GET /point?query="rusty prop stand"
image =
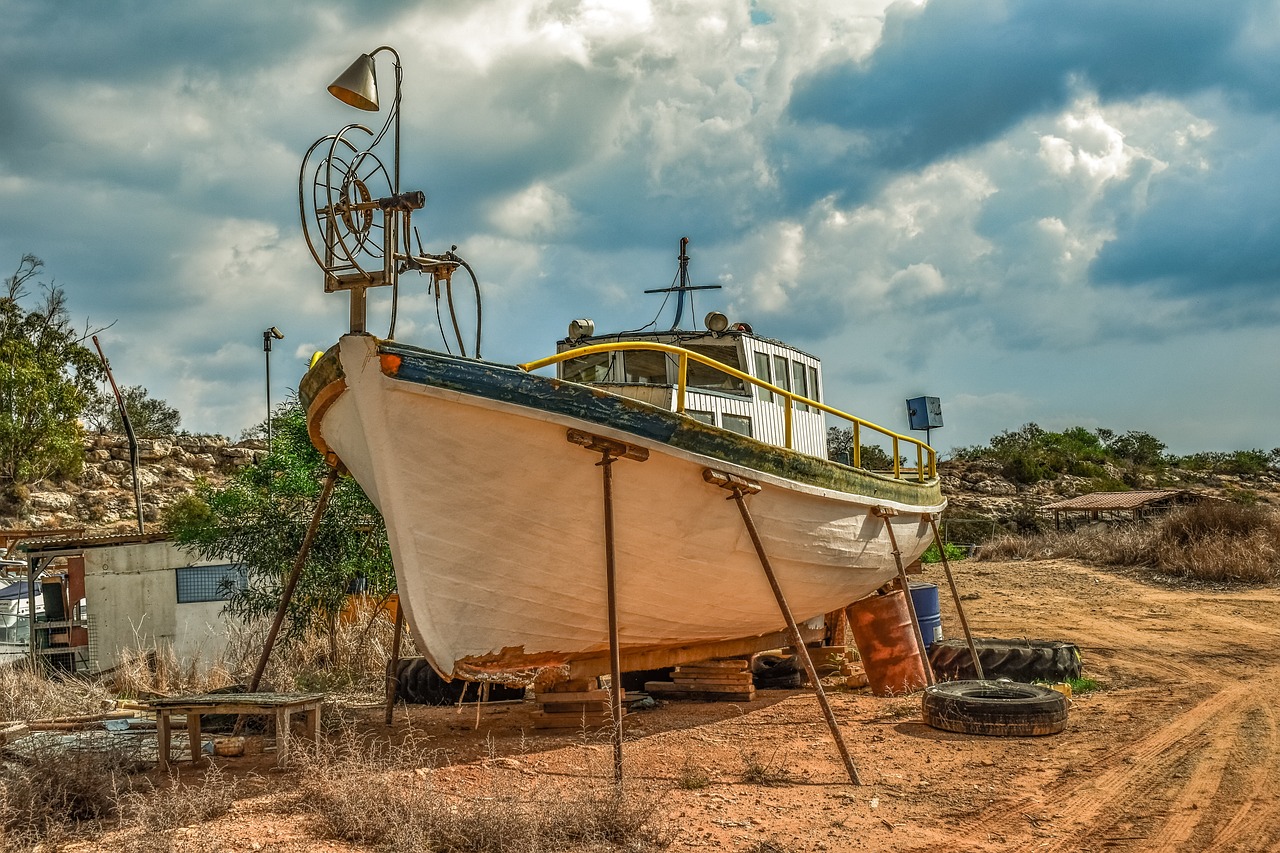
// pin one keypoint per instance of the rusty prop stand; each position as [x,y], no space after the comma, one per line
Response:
[393,675]
[886,513]
[609,452]
[326,492]
[740,487]
[955,595]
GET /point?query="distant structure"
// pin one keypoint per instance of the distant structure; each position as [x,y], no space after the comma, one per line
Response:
[1122,506]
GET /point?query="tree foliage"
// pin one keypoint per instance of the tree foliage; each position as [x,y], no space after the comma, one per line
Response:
[260,517]
[150,417]
[871,456]
[1031,453]
[47,376]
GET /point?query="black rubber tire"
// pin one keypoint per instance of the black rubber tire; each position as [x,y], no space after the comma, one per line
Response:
[419,684]
[777,672]
[1000,708]
[1026,661]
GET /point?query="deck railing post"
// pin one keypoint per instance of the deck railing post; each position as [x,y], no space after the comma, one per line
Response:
[681,380]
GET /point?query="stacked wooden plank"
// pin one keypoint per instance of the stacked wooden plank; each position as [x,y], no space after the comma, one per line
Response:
[708,680]
[574,704]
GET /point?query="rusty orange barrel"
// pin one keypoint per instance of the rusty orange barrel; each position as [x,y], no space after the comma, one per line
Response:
[882,631]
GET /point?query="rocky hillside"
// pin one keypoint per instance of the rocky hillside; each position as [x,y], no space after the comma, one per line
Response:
[102,499]
[978,489]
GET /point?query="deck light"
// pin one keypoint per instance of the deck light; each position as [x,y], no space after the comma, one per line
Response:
[358,86]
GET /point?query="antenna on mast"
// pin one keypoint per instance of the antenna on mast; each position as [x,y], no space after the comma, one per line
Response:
[684,286]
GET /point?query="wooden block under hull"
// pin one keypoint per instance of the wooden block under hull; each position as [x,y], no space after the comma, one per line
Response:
[705,693]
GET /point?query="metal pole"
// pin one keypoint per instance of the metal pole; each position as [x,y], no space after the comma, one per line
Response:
[739,487]
[33,568]
[301,560]
[393,674]
[955,594]
[266,349]
[128,431]
[885,514]
[615,655]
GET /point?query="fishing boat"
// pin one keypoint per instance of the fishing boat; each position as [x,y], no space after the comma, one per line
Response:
[509,552]
[492,500]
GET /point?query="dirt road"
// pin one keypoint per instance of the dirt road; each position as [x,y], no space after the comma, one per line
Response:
[1178,751]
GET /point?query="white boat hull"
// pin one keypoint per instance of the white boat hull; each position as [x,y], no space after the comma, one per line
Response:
[496,528]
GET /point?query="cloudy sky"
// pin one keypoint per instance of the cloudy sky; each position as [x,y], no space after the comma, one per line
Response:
[1060,212]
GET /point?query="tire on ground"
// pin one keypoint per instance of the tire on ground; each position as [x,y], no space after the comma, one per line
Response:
[1018,660]
[1000,708]
[773,672]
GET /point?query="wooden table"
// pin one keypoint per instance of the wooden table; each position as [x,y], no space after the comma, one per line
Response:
[280,705]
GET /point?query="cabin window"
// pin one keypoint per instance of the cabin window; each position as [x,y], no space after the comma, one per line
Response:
[762,372]
[741,424]
[587,368]
[798,383]
[646,367]
[708,418]
[703,376]
[780,376]
[814,393]
[209,583]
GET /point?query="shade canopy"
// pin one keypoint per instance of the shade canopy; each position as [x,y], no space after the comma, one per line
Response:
[358,85]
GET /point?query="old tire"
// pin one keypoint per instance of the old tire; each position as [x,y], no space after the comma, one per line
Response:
[777,672]
[1000,708]
[1026,661]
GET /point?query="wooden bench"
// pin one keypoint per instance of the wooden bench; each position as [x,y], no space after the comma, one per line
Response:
[282,706]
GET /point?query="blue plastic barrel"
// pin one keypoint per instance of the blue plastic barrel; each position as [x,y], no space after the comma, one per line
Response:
[925,598]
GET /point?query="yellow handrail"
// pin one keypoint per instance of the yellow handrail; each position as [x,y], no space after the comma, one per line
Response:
[790,399]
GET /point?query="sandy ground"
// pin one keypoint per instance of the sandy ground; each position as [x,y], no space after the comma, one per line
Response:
[1177,751]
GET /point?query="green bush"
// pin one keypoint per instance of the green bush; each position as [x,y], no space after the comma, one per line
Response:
[953,551]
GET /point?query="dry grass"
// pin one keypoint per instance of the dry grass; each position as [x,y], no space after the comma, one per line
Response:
[27,694]
[361,650]
[1212,542]
[759,770]
[50,794]
[365,795]
[181,804]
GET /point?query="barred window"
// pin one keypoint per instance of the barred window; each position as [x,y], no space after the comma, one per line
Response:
[209,583]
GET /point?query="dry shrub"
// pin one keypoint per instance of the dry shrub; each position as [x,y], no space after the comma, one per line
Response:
[152,672]
[1220,542]
[181,804]
[27,694]
[44,795]
[1123,545]
[366,796]
[1212,542]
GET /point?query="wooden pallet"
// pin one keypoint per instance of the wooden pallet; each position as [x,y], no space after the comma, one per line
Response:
[574,705]
[708,681]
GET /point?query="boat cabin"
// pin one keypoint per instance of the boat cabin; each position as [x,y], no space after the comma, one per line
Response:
[712,396]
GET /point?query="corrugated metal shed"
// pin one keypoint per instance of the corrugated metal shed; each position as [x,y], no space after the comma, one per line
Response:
[1137,505]
[1117,500]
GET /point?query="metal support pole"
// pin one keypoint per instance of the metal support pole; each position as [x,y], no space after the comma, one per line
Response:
[955,595]
[739,487]
[393,675]
[615,655]
[885,513]
[33,569]
[286,596]
[610,451]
